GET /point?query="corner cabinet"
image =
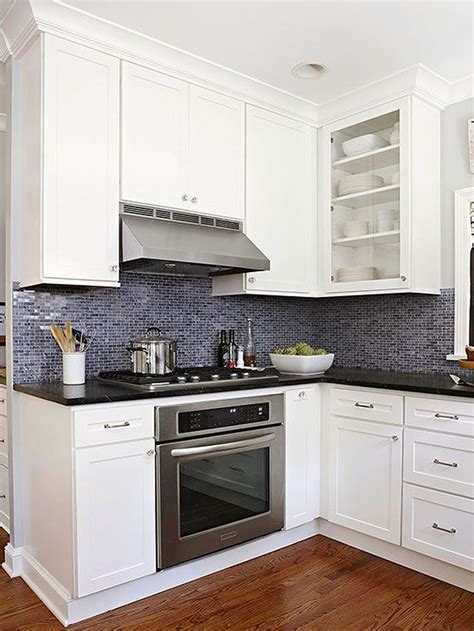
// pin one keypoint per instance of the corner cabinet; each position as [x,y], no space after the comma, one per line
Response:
[380,201]
[280,205]
[68,164]
[182,145]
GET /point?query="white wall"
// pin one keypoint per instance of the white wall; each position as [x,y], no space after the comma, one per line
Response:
[454,175]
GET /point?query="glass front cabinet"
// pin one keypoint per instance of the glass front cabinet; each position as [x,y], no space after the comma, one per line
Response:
[380,201]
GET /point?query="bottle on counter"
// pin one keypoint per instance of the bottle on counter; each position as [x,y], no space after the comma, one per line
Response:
[232,358]
[250,353]
[240,356]
[223,349]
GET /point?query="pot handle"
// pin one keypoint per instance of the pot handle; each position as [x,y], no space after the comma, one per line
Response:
[152,329]
[131,349]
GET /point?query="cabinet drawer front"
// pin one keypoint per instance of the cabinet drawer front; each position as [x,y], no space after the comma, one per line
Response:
[439,461]
[96,427]
[455,417]
[3,440]
[3,491]
[3,401]
[439,525]
[364,404]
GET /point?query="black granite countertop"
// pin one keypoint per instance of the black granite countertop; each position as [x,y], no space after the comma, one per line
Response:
[94,391]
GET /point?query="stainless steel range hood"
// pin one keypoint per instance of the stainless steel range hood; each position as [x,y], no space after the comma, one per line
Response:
[175,243]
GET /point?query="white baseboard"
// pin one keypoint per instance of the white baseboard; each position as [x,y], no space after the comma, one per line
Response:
[13,561]
[45,586]
[408,558]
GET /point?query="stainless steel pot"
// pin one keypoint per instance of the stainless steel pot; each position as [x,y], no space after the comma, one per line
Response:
[153,354]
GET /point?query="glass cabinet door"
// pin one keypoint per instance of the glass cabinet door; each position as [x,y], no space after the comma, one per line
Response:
[365,204]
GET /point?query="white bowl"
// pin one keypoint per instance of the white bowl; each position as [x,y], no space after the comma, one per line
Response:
[355,228]
[364,143]
[302,364]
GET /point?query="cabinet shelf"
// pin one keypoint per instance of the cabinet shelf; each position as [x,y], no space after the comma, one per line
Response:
[369,161]
[375,238]
[370,197]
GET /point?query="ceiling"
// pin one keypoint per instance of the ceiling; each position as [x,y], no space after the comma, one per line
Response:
[360,42]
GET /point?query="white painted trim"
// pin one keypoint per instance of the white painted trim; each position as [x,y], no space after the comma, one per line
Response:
[462,89]
[5,522]
[13,561]
[45,587]
[402,556]
[3,122]
[462,248]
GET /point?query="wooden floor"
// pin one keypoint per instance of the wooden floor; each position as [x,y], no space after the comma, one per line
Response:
[317,584]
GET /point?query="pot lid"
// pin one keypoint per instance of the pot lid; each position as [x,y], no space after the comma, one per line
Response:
[153,334]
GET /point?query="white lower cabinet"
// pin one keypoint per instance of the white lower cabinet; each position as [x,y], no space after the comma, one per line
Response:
[439,525]
[302,448]
[115,508]
[365,477]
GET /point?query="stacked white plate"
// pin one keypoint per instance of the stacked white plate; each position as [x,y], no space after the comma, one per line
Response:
[355,228]
[356,273]
[361,144]
[358,183]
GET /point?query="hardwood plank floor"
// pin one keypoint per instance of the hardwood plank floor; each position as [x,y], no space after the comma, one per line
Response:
[317,584]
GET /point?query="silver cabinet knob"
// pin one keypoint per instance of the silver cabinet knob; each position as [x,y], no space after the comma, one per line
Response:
[403,278]
[302,394]
[150,453]
[114,268]
[394,438]
[252,279]
[2,440]
[194,200]
[184,198]
[3,496]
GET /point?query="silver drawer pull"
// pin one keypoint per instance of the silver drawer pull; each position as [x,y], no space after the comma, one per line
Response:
[369,406]
[2,440]
[451,531]
[2,400]
[446,464]
[394,438]
[109,426]
[3,496]
[449,417]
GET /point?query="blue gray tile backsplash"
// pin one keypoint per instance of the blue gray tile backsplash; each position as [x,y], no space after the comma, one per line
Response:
[392,332]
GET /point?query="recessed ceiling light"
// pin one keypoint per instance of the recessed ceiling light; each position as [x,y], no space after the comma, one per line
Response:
[309,71]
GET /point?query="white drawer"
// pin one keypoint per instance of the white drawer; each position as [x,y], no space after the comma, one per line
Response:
[439,461]
[368,405]
[113,425]
[4,509]
[439,525]
[3,440]
[455,417]
[3,400]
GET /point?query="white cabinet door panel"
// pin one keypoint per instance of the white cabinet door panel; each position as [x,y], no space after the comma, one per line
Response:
[216,153]
[280,217]
[154,137]
[365,477]
[80,162]
[115,504]
[302,454]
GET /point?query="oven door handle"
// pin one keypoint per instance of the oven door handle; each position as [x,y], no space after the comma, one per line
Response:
[218,450]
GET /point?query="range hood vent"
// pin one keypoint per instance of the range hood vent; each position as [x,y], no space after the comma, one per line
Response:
[181,216]
[178,243]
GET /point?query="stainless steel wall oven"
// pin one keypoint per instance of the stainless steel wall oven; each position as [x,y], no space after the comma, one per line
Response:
[220,475]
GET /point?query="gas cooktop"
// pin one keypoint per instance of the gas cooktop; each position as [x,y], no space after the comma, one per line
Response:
[202,377]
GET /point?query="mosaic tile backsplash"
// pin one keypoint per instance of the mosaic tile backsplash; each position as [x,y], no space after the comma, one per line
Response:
[393,332]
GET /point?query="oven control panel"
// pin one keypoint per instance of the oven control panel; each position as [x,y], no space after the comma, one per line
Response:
[217,418]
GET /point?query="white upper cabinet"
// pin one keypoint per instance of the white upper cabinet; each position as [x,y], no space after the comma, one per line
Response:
[280,207]
[154,137]
[182,146]
[380,201]
[216,153]
[69,144]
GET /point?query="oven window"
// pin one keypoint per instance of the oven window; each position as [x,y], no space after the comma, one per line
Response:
[219,490]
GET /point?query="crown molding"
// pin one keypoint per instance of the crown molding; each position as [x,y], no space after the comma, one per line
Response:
[462,90]
[26,18]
